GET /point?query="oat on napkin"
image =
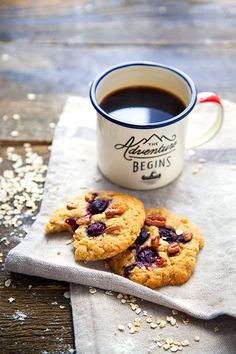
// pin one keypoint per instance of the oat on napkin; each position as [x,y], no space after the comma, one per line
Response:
[104,324]
[206,197]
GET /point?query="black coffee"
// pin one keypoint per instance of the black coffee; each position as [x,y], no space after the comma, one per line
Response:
[142,105]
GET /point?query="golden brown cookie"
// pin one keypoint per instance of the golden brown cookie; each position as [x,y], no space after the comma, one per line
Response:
[104,223]
[164,252]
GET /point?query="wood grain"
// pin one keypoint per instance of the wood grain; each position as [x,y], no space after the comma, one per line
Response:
[55,78]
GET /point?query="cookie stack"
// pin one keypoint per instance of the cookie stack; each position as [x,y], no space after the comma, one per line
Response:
[153,247]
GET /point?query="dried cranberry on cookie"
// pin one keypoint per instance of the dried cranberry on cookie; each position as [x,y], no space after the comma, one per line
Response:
[164,253]
[103,223]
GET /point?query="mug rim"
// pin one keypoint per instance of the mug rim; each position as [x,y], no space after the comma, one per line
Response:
[183,114]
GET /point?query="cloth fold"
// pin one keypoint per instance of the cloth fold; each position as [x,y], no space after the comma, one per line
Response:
[206,197]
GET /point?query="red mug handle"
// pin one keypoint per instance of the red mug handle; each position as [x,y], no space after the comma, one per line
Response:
[204,97]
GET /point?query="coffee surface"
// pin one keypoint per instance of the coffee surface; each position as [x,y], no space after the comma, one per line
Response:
[142,105]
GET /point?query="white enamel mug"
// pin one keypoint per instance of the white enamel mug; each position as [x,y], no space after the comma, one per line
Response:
[151,155]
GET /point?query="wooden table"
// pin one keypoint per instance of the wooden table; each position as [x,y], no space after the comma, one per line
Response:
[54,49]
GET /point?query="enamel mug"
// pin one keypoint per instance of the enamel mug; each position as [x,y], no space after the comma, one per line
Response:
[151,155]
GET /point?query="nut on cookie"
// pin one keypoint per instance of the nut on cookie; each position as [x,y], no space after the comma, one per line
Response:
[103,223]
[163,254]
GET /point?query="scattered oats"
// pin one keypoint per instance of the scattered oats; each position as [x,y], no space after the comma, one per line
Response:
[71,351]
[171,320]
[7,283]
[169,340]
[138,311]
[185,343]
[144,313]
[149,320]
[62,306]
[153,325]
[30,286]
[133,306]
[174,312]
[97,179]
[16,116]
[174,348]
[180,348]
[129,325]
[201,160]
[133,299]
[195,172]
[119,296]
[109,292]
[137,322]
[11,299]
[132,330]
[5,117]
[158,338]
[14,133]
[185,320]
[191,152]
[197,338]
[31,96]
[176,342]
[54,303]
[123,301]
[92,290]
[121,327]
[67,294]
[27,145]
[52,125]
[216,329]
[165,346]
[18,315]
[5,57]
[162,324]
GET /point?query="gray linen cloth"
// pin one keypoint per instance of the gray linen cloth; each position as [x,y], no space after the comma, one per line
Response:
[96,319]
[207,198]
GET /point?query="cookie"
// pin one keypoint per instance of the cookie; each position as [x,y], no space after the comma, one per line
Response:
[164,253]
[103,223]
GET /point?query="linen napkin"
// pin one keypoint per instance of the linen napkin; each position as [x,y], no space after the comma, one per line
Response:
[98,316]
[206,197]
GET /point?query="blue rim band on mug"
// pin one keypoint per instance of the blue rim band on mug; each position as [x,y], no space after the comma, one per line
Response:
[172,120]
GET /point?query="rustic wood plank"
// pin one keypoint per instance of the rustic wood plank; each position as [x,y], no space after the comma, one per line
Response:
[47,326]
[140,22]
[47,71]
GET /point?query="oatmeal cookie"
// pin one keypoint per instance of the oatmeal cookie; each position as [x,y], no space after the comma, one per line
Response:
[103,223]
[164,252]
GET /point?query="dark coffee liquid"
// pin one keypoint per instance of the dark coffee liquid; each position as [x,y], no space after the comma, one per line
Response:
[142,105]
